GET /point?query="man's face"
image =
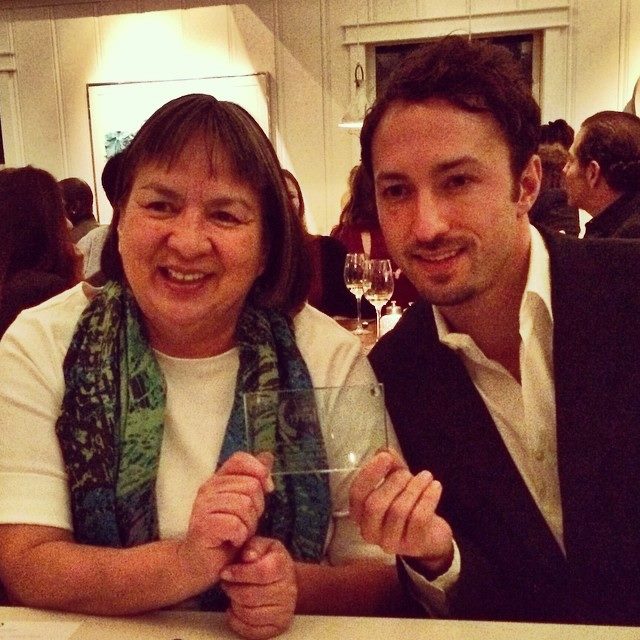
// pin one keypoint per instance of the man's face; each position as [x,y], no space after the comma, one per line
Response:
[575,176]
[445,198]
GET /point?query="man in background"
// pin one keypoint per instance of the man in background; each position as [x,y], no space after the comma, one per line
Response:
[602,174]
[78,204]
[514,380]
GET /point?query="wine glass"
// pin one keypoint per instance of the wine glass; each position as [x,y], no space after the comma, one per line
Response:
[354,266]
[378,286]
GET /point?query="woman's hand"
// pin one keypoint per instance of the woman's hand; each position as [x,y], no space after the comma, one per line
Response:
[397,511]
[227,508]
[263,590]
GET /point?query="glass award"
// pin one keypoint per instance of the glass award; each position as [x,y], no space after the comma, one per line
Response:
[317,430]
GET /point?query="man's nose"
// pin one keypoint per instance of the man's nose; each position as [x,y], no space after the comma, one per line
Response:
[430,218]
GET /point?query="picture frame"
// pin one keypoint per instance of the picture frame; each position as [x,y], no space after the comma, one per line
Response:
[118,109]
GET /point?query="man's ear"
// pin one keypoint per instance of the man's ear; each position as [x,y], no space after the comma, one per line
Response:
[593,173]
[529,184]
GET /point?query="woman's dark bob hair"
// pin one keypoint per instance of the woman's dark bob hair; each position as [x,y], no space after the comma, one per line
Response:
[224,127]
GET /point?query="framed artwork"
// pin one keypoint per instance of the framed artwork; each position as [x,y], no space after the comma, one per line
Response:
[118,110]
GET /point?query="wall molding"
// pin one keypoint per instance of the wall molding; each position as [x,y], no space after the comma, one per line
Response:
[423,28]
[28,4]
[7,61]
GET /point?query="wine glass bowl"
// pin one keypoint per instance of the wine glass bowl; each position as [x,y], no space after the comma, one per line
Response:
[354,272]
[378,286]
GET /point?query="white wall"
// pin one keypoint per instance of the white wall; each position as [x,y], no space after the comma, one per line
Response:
[51,49]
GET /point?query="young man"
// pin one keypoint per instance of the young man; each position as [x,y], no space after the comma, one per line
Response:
[514,381]
[602,174]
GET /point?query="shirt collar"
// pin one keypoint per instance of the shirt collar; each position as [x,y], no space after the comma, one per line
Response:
[537,291]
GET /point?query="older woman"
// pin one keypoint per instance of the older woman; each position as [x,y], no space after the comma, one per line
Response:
[117,405]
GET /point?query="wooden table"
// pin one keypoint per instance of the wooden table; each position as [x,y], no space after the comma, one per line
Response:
[183,625]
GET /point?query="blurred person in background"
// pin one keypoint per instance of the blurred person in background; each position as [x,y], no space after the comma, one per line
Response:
[78,204]
[359,231]
[37,259]
[602,174]
[327,291]
[551,208]
[90,245]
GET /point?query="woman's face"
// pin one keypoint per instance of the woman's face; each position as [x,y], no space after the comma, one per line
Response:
[192,245]
[292,192]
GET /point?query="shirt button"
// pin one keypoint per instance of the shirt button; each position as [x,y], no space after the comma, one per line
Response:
[539,455]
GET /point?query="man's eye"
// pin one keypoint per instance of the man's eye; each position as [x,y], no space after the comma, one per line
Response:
[394,191]
[457,181]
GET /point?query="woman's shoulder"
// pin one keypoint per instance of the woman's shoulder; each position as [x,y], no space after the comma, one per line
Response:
[334,356]
[318,333]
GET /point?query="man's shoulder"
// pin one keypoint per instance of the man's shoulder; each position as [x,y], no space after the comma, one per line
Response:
[606,254]
[405,343]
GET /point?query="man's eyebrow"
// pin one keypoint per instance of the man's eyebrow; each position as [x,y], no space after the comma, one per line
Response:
[441,167]
[389,175]
[462,161]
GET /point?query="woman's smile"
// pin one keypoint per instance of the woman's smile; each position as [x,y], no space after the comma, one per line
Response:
[191,241]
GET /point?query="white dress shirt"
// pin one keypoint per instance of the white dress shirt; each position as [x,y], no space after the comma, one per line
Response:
[524,413]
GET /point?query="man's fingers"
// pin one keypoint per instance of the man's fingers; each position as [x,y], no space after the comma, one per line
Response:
[366,481]
[375,513]
[402,511]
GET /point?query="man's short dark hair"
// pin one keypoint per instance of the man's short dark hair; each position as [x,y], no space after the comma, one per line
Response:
[472,75]
[612,139]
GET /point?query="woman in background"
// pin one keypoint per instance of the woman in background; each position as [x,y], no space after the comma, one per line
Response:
[327,291]
[551,209]
[37,258]
[359,231]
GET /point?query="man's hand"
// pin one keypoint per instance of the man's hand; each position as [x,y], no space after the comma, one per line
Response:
[262,588]
[227,508]
[397,511]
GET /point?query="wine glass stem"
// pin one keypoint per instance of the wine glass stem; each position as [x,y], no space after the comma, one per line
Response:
[359,327]
[378,323]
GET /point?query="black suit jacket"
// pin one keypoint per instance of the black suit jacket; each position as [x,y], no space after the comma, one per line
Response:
[621,219]
[512,567]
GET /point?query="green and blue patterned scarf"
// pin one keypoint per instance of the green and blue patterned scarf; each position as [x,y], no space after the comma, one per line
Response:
[111,423]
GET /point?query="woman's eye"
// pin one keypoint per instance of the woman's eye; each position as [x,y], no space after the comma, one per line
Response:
[226,218]
[159,206]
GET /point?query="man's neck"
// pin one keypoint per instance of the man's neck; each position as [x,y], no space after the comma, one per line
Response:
[493,318]
[601,200]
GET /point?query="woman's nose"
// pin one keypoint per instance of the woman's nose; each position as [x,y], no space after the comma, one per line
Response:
[189,235]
